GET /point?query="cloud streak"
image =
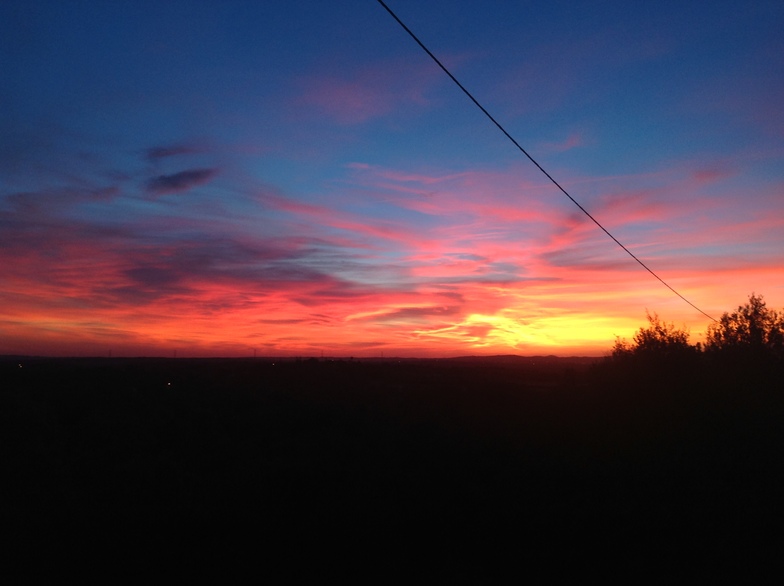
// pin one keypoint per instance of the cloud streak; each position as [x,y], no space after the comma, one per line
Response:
[476,281]
[369,93]
[180,182]
[154,154]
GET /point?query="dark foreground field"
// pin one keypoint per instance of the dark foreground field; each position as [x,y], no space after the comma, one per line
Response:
[459,470]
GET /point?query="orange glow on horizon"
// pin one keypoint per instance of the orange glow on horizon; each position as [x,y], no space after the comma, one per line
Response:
[358,329]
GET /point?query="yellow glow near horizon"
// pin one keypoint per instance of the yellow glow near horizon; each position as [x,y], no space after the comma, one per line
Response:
[508,331]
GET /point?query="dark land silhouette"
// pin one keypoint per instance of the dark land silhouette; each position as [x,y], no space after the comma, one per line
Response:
[455,469]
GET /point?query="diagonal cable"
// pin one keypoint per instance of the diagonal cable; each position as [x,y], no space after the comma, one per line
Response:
[530,158]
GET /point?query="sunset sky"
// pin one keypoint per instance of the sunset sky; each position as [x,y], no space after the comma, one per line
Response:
[298,178]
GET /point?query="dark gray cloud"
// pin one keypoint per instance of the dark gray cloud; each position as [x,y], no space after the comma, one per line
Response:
[156,153]
[182,268]
[153,276]
[46,201]
[416,313]
[180,182]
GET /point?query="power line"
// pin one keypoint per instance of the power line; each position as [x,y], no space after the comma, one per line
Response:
[530,158]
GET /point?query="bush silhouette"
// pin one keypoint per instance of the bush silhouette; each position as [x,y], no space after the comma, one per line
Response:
[753,330]
[743,350]
[751,337]
[658,342]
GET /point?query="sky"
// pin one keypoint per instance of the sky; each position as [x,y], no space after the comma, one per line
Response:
[300,179]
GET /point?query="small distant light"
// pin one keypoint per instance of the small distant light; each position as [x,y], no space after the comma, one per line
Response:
[168,384]
[20,365]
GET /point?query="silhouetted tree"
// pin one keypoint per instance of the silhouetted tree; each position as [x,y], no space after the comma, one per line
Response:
[752,330]
[659,358]
[659,341]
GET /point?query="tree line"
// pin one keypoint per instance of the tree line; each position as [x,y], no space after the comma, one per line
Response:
[751,333]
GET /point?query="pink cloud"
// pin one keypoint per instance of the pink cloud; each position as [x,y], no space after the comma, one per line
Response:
[341,220]
[708,175]
[619,209]
[369,93]
[348,102]
[572,141]
[503,195]
[293,206]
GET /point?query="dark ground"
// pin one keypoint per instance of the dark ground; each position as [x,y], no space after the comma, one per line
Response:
[458,470]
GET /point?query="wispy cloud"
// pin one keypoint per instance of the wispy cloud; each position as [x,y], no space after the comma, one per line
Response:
[574,140]
[46,200]
[370,92]
[385,258]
